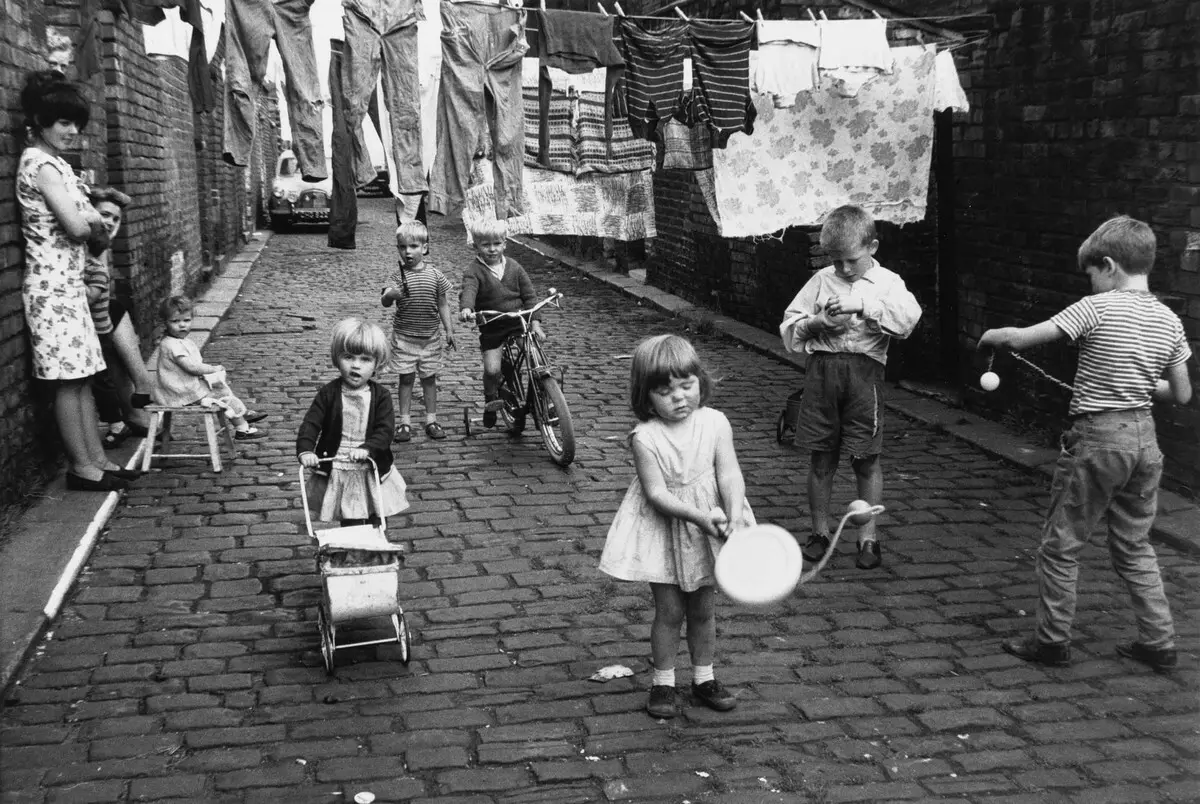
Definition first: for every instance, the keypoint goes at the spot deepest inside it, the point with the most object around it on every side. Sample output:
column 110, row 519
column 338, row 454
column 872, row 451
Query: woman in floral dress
column 57, row 221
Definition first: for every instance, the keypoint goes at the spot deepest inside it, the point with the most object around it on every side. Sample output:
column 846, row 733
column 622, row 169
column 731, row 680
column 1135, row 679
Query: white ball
column 990, row 381
column 860, row 512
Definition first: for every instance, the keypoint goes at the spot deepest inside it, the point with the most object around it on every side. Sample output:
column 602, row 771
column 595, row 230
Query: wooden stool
column 160, row 420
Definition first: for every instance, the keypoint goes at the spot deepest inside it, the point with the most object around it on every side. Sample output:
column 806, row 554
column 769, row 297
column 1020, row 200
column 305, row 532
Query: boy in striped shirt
column 1132, row 351
column 421, row 294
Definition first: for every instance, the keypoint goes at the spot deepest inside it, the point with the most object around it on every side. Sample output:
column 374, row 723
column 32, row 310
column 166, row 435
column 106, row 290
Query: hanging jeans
column 381, row 38
column 343, row 205
column 482, row 48
column 250, row 25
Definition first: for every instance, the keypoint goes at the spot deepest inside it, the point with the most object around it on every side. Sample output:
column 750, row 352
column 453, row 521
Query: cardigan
column 321, row 430
column 482, row 291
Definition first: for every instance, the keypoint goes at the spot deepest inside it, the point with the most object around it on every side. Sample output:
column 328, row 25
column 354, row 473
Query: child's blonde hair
column 1128, row 242
column 488, row 230
column 656, row 361
column 413, row 230
column 353, row 336
column 848, row 226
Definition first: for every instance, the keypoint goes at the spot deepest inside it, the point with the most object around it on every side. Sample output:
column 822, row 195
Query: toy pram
column 360, row 577
column 789, row 418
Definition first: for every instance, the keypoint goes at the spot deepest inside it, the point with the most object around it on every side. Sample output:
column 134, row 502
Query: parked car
column 377, row 187
column 294, row 200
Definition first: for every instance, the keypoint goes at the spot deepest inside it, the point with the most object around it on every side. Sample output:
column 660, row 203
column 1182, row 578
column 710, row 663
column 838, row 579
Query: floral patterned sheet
column 872, row 150
column 616, row 205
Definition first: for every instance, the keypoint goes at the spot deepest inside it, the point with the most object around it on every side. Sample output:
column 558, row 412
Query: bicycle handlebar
column 487, row 316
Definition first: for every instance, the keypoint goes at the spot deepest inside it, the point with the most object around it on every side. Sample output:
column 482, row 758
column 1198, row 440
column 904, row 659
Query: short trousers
column 842, row 408
column 492, row 336
column 421, row 356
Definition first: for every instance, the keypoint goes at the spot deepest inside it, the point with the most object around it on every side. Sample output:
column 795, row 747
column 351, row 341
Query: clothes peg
column 620, row 11
column 823, row 15
column 682, row 16
column 542, row 5
column 741, row 14
column 603, row 12
column 758, row 13
column 811, row 15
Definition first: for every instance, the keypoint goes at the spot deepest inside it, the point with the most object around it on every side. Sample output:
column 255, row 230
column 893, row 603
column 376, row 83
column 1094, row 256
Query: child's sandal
column 435, row 431
column 404, row 433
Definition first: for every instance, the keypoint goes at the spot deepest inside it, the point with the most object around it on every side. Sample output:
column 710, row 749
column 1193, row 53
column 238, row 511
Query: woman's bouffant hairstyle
column 353, row 336
column 109, row 194
column 48, row 97
column 656, row 361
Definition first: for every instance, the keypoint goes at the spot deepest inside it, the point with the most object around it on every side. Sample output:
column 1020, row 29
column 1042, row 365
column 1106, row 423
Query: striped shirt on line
column 1127, row 339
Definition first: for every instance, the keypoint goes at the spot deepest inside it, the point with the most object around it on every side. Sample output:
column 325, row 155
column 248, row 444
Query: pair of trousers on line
column 1109, row 468
column 343, row 204
column 385, row 38
column 482, row 48
column 250, row 25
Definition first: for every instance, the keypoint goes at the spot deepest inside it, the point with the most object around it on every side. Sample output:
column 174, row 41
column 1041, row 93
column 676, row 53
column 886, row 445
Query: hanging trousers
column 250, row 25
column 378, row 41
column 343, row 205
column 482, row 48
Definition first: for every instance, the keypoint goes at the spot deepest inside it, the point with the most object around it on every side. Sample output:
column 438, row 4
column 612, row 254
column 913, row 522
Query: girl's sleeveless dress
column 348, row 492
column 645, row 545
column 65, row 346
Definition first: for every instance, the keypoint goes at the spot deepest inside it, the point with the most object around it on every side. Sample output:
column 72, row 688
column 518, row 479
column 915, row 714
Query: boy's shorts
column 420, row 356
column 493, row 336
column 842, row 408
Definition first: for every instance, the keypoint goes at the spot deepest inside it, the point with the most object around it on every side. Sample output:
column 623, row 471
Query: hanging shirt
column 854, row 52
column 786, row 62
column 654, row 52
column 721, row 61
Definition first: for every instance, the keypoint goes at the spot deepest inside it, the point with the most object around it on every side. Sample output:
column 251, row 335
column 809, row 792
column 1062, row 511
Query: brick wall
column 190, row 210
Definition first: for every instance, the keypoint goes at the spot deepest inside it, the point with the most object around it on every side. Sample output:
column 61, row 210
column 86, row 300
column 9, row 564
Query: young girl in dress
column 669, row 527
column 350, row 420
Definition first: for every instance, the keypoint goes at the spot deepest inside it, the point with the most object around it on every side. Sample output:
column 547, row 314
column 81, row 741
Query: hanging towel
column 618, row 205
column 721, row 61
column 654, row 52
column 872, row 150
column 786, row 63
column 950, row 93
column 854, row 52
column 578, row 142
column 576, row 42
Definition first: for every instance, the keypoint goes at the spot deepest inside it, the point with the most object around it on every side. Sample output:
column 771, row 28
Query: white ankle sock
column 406, row 420
column 664, row 678
column 702, row 674
column 430, row 418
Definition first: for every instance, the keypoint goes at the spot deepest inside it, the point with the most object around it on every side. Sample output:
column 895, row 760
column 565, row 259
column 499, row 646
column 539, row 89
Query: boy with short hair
column 844, row 318
column 495, row 282
column 1132, row 350
column 421, row 294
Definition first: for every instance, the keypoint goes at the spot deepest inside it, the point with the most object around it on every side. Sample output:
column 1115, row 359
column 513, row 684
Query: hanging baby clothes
column 482, row 48
column 576, row 42
column 382, row 34
column 950, row 93
column 250, row 25
column 872, row 150
column 721, row 63
column 654, row 53
column 787, row 59
column 854, row 52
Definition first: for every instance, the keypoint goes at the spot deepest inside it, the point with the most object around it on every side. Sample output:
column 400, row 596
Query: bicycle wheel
column 553, row 418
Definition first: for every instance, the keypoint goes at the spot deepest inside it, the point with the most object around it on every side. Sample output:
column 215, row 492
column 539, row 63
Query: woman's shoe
column 123, row 474
column 112, row 439
column 106, row 483
column 254, row 416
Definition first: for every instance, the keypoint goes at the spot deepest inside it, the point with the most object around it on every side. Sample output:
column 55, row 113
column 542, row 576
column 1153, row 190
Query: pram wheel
column 403, row 637
column 328, row 637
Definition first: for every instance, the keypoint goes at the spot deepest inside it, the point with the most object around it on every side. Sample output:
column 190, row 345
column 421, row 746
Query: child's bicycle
column 528, row 385
column 360, row 577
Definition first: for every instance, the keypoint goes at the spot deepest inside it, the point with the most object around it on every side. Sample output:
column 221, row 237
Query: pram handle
column 375, row 489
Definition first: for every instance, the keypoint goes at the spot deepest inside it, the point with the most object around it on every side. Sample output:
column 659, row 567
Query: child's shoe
column 662, row 701
column 404, row 433
column 815, row 548
column 250, row 434
column 1160, row 659
column 491, row 404
column 868, row 555
column 713, row 695
column 1030, row 650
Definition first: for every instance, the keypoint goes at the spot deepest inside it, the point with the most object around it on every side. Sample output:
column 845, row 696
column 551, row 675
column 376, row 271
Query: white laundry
column 591, row 81
column 171, row 37
column 949, row 91
column 786, row 59
column 854, row 52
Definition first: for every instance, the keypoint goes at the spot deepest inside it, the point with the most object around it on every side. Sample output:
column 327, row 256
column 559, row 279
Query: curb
column 55, row 515
column 1177, row 524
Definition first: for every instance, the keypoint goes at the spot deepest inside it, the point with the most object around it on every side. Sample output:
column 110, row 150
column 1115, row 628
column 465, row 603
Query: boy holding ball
column 1132, row 350
column 844, row 318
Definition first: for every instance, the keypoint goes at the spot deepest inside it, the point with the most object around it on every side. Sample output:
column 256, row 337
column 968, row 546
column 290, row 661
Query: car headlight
column 278, row 192
column 292, row 196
